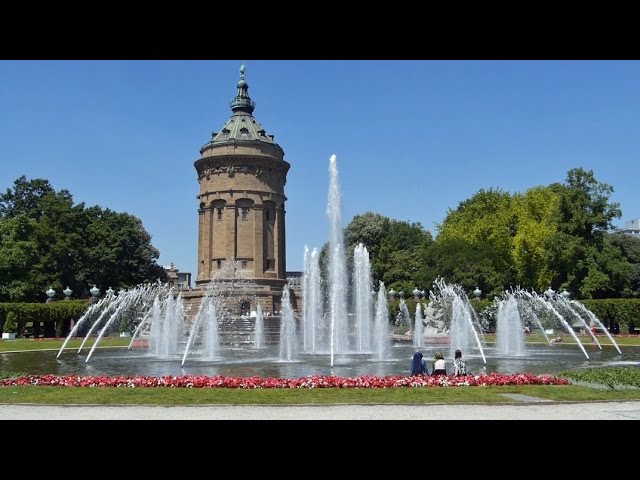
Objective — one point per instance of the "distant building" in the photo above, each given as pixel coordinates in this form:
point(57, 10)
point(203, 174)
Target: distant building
point(632, 228)
point(178, 279)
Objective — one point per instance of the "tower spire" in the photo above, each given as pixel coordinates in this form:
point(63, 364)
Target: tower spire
point(242, 102)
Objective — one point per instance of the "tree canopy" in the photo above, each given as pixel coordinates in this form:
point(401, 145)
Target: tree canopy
point(47, 240)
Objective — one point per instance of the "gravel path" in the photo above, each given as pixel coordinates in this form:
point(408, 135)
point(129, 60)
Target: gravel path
point(533, 411)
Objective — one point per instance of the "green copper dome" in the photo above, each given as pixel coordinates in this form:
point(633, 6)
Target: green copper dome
point(242, 126)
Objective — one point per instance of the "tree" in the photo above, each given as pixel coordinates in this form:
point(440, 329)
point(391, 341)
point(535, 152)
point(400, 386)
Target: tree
point(118, 250)
point(629, 247)
point(18, 252)
point(537, 224)
point(47, 240)
point(577, 253)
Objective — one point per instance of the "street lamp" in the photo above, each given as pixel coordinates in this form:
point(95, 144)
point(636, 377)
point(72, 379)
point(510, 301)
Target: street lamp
point(477, 292)
point(50, 293)
point(67, 293)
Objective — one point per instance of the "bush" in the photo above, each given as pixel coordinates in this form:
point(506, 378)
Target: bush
point(11, 323)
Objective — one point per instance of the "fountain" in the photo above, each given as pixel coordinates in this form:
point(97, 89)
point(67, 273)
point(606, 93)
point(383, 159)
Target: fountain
point(515, 304)
point(350, 324)
point(258, 330)
point(287, 328)
point(509, 330)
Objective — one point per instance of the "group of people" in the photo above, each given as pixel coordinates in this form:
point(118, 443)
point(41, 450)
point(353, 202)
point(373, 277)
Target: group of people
point(439, 365)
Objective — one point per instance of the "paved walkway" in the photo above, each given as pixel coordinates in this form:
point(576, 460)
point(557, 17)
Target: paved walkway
point(534, 411)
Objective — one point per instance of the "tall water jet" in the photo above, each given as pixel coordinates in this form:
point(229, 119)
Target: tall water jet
point(211, 343)
point(312, 295)
point(454, 307)
point(381, 325)
point(337, 266)
point(509, 332)
point(195, 328)
point(167, 325)
point(417, 329)
point(287, 328)
point(258, 329)
point(362, 297)
point(404, 315)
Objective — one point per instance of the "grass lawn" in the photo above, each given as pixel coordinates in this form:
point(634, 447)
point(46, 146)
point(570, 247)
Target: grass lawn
point(230, 396)
point(632, 340)
point(362, 396)
point(55, 344)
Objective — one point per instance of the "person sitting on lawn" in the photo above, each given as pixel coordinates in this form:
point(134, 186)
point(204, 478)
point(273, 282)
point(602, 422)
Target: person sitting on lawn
point(439, 365)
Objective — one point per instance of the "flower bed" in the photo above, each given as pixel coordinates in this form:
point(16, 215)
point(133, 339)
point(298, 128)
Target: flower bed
point(365, 381)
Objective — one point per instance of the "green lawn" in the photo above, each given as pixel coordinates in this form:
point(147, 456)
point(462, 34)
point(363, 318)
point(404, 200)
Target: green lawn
point(31, 344)
point(229, 396)
point(567, 338)
point(186, 396)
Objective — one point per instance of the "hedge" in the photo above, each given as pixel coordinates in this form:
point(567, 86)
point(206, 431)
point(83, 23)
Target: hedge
point(60, 313)
point(624, 311)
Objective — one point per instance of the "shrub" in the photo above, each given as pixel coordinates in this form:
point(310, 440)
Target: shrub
point(11, 323)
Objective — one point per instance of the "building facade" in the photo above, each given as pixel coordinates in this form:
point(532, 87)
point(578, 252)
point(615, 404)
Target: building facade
point(632, 228)
point(241, 206)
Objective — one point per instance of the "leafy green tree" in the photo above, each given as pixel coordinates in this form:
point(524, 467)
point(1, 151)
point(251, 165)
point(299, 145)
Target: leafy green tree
point(457, 261)
point(629, 247)
point(18, 252)
point(577, 253)
point(64, 244)
point(118, 250)
point(537, 224)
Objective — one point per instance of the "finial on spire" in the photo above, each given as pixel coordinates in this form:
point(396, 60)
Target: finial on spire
point(242, 102)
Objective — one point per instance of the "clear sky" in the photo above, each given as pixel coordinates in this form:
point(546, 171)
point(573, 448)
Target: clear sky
point(412, 138)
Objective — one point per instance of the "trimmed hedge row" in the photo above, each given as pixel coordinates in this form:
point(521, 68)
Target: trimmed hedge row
point(57, 314)
point(623, 311)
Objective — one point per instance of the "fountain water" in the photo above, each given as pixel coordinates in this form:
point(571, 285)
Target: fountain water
point(340, 330)
point(595, 320)
point(417, 328)
point(362, 297)
point(465, 333)
point(337, 266)
point(381, 325)
point(258, 331)
point(312, 318)
point(509, 331)
point(287, 328)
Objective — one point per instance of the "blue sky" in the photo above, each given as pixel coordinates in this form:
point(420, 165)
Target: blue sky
point(412, 138)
